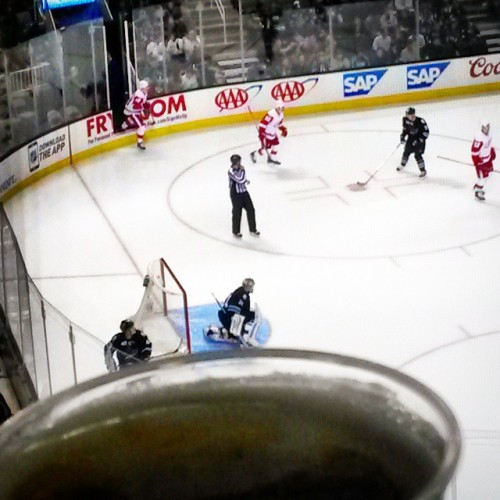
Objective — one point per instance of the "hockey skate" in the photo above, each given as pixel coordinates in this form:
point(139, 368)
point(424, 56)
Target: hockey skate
point(255, 233)
point(238, 235)
point(423, 173)
point(400, 167)
point(272, 161)
point(141, 146)
point(215, 334)
point(249, 342)
point(479, 195)
point(252, 157)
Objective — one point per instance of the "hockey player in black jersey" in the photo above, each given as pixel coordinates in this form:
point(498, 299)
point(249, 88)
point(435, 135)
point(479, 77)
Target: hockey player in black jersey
point(415, 133)
point(239, 322)
point(130, 345)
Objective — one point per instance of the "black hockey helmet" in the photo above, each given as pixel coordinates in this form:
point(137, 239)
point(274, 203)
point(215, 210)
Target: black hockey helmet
point(126, 324)
point(235, 159)
point(410, 111)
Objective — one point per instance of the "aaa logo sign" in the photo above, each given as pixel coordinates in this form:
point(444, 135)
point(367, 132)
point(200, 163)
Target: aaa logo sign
point(234, 97)
point(292, 90)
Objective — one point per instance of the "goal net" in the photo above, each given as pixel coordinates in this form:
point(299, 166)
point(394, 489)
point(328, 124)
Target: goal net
point(163, 314)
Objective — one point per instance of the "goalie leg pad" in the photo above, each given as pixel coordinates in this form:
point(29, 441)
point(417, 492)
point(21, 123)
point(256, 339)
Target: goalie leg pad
point(237, 322)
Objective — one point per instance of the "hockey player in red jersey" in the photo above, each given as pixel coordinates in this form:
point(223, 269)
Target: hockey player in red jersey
point(268, 133)
point(483, 155)
point(137, 111)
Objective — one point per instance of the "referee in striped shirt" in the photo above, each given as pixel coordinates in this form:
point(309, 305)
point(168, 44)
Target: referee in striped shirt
point(240, 197)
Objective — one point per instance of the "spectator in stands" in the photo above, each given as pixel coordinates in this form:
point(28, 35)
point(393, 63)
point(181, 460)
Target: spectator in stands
point(283, 68)
point(398, 43)
point(268, 35)
point(339, 61)
point(269, 13)
point(382, 44)
point(320, 11)
point(372, 25)
point(175, 49)
point(388, 20)
point(189, 78)
point(435, 49)
point(321, 64)
point(359, 60)
point(411, 52)
point(380, 58)
point(192, 47)
point(155, 49)
point(300, 66)
point(405, 13)
point(360, 39)
point(220, 77)
point(283, 46)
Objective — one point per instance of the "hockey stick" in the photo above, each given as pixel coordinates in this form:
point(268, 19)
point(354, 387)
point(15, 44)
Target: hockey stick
point(359, 186)
point(218, 303)
point(462, 162)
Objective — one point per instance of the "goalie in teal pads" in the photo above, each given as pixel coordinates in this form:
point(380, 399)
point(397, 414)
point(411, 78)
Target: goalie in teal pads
point(240, 321)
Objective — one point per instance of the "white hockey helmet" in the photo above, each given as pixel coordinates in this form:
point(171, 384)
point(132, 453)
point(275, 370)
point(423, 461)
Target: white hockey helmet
point(248, 284)
point(279, 104)
point(143, 84)
point(484, 122)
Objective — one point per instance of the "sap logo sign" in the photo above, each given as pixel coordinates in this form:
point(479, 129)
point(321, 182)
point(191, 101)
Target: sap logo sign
point(362, 82)
point(422, 76)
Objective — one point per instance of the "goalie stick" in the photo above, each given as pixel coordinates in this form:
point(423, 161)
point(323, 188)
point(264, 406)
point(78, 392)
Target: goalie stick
point(359, 186)
point(216, 300)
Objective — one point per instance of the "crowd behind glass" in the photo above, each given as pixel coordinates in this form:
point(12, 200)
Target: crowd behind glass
point(281, 38)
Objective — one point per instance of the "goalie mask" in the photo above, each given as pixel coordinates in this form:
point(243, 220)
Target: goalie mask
point(248, 284)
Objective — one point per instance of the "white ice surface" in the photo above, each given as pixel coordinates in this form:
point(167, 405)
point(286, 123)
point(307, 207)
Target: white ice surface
point(405, 273)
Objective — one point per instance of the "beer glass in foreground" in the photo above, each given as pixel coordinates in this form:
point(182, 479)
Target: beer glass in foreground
point(260, 424)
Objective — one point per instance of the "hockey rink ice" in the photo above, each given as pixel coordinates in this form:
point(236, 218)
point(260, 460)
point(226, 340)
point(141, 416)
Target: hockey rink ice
point(405, 273)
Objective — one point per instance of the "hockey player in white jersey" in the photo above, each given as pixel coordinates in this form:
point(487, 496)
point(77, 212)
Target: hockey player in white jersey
point(483, 155)
point(137, 112)
point(268, 133)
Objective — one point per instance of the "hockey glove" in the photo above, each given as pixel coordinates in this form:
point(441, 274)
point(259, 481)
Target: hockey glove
point(402, 138)
point(493, 154)
point(284, 131)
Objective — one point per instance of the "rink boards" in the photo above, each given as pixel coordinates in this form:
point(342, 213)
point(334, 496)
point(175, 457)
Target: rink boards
point(245, 102)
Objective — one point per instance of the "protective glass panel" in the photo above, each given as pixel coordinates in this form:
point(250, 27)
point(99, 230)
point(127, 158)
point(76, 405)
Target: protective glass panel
point(85, 87)
point(47, 80)
point(89, 355)
point(41, 380)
